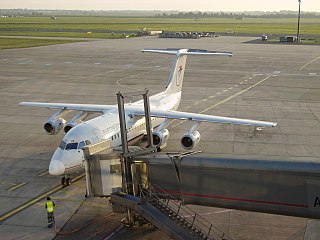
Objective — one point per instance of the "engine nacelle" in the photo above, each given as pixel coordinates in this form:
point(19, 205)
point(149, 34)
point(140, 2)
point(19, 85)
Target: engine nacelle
point(190, 140)
point(70, 125)
point(160, 137)
point(54, 125)
point(75, 121)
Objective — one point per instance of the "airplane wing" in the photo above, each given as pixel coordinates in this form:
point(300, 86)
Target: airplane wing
point(70, 106)
point(154, 113)
point(204, 118)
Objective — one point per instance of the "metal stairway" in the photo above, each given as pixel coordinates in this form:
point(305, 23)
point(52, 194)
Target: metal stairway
point(168, 214)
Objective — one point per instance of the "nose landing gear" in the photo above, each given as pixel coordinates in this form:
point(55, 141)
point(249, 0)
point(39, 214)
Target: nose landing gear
point(66, 181)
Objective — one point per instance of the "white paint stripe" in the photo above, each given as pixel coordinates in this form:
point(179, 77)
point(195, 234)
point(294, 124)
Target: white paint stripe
point(235, 95)
point(309, 63)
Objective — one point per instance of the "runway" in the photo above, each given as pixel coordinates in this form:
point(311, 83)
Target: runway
point(276, 82)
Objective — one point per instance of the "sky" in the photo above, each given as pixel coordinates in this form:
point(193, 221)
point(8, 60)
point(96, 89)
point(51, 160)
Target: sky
point(182, 5)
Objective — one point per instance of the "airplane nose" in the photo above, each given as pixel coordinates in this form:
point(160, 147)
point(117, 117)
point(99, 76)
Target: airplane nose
point(56, 168)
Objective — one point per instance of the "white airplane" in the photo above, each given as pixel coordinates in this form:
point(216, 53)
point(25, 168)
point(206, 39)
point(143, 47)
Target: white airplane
point(68, 157)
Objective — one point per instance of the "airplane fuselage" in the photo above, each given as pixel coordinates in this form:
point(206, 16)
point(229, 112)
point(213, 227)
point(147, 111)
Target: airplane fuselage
point(69, 158)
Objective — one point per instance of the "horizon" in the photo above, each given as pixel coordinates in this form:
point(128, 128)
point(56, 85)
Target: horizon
point(164, 5)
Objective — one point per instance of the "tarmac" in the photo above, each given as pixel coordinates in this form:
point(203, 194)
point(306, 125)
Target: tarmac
point(276, 82)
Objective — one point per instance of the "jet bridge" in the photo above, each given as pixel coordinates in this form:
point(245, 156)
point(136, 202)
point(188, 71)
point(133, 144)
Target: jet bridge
point(286, 187)
point(278, 186)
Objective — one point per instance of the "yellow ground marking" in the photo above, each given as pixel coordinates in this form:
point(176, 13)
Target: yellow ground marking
point(213, 96)
point(196, 103)
point(241, 83)
point(235, 95)
point(5, 182)
point(35, 200)
point(230, 88)
point(16, 186)
point(42, 174)
point(309, 63)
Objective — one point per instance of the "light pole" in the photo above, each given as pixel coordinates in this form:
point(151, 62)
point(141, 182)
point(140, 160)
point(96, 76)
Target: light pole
point(298, 31)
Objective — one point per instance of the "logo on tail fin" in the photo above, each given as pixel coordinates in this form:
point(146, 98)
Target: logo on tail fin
point(178, 76)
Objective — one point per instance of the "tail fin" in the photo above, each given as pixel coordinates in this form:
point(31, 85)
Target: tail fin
point(179, 64)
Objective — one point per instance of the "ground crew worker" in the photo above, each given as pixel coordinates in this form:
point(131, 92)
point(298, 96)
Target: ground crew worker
point(49, 206)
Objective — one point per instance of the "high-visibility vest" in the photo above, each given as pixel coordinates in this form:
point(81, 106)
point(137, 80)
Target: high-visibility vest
point(49, 206)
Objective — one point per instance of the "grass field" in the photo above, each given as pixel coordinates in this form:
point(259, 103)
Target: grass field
point(64, 34)
point(7, 43)
point(30, 25)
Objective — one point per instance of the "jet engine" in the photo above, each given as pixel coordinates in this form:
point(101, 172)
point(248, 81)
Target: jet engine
point(70, 125)
point(190, 140)
point(160, 137)
point(75, 121)
point(54, 125)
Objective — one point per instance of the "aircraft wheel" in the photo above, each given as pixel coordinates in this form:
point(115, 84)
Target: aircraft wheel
point(63, 181)
point(68, 181)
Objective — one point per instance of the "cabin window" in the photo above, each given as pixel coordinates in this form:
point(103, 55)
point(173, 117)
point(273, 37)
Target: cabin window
point(81, 144)
point(71, 146)
point(63, 145)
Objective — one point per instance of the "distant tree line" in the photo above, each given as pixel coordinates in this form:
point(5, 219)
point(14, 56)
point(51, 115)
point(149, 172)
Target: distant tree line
point(157, 14)
point(202, 15)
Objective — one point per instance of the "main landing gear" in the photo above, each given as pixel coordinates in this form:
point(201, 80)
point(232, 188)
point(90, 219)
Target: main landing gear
point(66, 181)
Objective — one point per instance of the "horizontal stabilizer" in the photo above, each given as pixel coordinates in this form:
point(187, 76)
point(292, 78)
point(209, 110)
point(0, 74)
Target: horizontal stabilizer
point(174, 51)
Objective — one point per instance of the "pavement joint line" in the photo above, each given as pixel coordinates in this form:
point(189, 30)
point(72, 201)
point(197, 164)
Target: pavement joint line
point(235, 95)
point(35, 200)
point(309, 63)
point(44, 173)
point(16, 186)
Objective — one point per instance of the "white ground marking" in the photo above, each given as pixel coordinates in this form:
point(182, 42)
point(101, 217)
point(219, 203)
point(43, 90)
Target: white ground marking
point(309, 63)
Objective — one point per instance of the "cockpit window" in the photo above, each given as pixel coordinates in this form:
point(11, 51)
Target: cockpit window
point(88, 142)
point(63, 145)
point(81, 145)
point(71, 146)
